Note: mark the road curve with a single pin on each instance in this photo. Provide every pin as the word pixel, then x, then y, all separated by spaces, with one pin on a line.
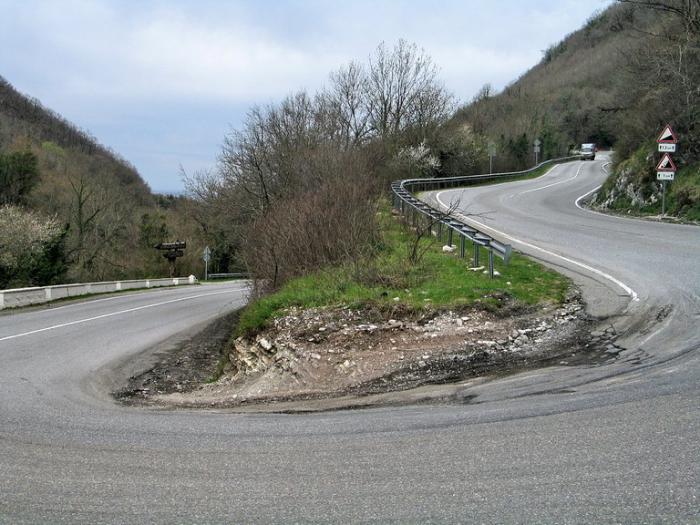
pixel 588 444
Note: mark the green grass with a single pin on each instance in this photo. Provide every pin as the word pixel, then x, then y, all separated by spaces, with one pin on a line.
pixel 438 281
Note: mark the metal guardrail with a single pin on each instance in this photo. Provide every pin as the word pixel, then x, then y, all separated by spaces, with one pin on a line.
pixel 228 276
pixel 405 201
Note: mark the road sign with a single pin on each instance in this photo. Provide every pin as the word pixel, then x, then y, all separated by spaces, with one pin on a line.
pixel 666 169
pixel 667 136
pixel 492 149
pixel 537 150
pixel 177 245
pixel 173 254
pixel 666 164
pixel 206 254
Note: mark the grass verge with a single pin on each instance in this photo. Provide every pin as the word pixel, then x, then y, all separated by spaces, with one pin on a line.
pixel 388 281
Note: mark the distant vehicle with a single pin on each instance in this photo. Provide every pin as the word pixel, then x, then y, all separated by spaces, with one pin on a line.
pixel 588 151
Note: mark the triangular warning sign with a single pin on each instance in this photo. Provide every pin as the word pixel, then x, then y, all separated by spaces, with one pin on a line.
pixel 667 136
pixel 666 164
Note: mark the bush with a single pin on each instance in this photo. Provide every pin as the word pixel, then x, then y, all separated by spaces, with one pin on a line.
pixel 31 248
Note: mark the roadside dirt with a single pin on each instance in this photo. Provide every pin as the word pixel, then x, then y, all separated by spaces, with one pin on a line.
pixel 320 359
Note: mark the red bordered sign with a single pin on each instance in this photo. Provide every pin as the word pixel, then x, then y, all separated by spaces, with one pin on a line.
pixel 666 164
pixel 667 136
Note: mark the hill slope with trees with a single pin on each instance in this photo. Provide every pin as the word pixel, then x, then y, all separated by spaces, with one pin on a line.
pixel 616 82
pixel 86 213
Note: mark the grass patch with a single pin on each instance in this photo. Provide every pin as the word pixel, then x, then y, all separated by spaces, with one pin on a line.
pixel 438 281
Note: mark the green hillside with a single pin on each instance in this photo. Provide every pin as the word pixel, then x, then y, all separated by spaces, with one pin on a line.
pixel 616 82
pixel 97 217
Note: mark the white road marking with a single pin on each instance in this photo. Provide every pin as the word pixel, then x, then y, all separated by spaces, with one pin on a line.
pixel 111 314
pixel 577 202
pixel 656 332
pixel 554 183
pixel 628 290
pixel 125 294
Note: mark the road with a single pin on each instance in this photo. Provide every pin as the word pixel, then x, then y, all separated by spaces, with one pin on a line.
pixel 613 443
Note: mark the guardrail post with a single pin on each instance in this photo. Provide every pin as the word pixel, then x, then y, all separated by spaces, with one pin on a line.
pixel 439 232
pixel 476 254
pixel 449 236
pixel 491 264
pixel 462 243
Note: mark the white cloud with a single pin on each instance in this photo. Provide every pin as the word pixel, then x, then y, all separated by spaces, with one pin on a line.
pixel 101 62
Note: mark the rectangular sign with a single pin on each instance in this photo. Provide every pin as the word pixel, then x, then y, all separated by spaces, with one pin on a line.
pixel 665 175
pixel 667 148
pixel 177 245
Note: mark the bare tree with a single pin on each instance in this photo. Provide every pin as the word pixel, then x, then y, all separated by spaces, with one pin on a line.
pixel 404 92
pixel 422 228
pixel 345 106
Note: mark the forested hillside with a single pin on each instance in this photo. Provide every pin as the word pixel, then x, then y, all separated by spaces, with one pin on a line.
pixel 616 82
pixel 73 210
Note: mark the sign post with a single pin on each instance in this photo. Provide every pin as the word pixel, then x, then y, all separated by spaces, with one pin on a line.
pixel 492 154
pixel 666 169
pixel 537 150
pixel 206 256
pixel 172 250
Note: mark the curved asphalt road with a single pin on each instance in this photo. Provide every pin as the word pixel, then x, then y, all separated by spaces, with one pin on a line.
pixel 600 444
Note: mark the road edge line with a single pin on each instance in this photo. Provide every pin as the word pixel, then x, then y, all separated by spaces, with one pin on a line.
pixel 627 289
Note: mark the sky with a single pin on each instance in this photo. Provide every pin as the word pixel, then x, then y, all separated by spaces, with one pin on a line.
pixel 163 82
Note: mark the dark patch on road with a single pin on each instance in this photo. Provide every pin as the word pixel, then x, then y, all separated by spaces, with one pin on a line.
pixel 194 361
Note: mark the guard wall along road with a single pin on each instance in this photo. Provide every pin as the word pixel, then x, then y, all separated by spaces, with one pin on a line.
pixel 42 294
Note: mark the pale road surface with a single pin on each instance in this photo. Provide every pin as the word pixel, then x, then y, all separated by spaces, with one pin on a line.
pixel 612 443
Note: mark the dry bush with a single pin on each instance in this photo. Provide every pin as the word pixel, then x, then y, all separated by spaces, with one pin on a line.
pixel 332 223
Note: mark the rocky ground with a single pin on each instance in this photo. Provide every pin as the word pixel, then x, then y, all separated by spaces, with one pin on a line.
pixel 325 354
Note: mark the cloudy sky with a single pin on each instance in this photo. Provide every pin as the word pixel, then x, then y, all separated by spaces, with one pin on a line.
pixel 162 82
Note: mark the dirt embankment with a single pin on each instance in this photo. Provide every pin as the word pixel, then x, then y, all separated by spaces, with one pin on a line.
pixel 326 354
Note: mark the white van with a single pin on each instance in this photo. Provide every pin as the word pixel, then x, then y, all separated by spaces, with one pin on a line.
pixel 588 151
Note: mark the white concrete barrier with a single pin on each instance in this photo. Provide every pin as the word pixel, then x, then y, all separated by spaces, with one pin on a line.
pixel 42 294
